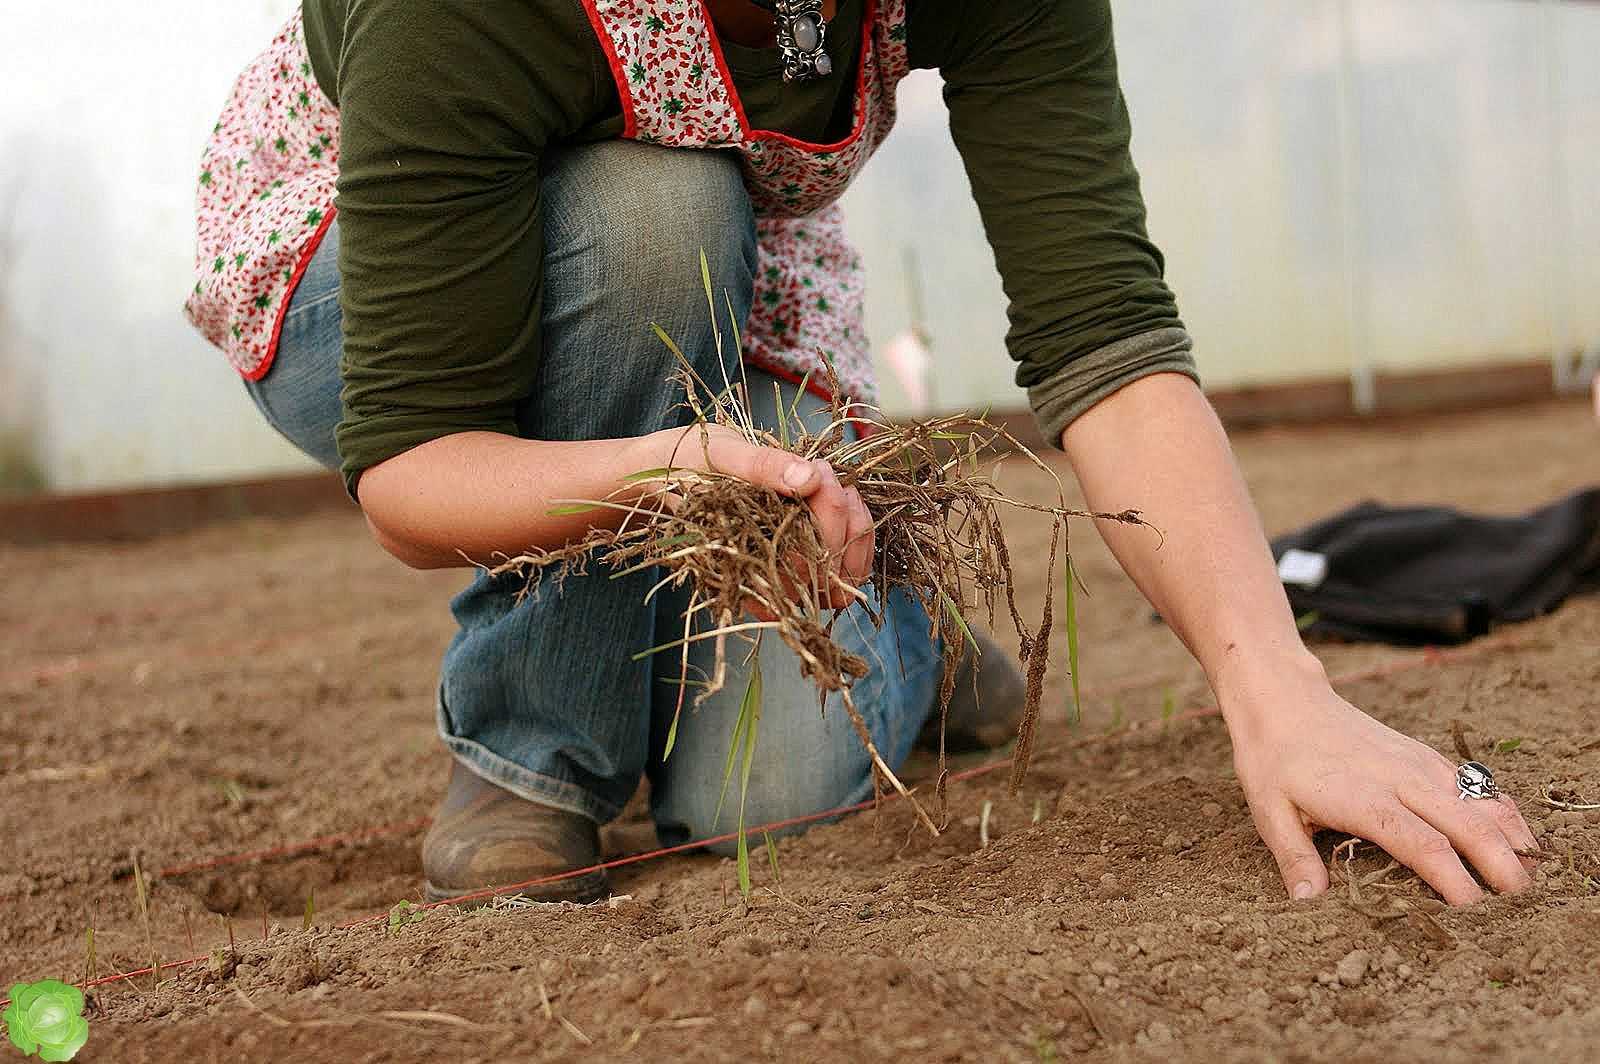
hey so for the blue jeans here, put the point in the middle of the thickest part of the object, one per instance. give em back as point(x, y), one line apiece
point(542, 696)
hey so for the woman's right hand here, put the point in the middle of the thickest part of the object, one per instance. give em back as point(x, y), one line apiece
point(842, 519)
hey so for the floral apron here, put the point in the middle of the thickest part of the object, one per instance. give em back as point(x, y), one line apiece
point(268, 174)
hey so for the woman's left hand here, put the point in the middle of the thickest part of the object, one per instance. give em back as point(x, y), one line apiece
point(1308, 759)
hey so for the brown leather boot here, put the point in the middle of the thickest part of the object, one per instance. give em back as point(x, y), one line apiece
point(989, 719)
point(483, 836)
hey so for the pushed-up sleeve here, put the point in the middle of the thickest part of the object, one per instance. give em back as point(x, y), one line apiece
point(445, 109)
point(1037, 113)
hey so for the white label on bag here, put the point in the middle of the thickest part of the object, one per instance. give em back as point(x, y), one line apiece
point(1302, 568)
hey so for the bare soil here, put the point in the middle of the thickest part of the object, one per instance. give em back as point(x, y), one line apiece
point(263, 683)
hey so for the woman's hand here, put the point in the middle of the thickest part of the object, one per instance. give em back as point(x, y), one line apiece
point(1307, 758)
point(842, 519)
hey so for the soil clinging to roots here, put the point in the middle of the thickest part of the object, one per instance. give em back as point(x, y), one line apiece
point(743, 549)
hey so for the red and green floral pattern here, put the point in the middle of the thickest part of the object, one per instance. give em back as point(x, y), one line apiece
point(265, 197)
point(676, 91)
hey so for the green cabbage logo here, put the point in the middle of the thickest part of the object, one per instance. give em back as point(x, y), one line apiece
point(45, 1017)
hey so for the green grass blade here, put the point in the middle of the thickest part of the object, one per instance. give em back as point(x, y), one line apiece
point(734, 743)
point(711, 303)
point(661, 334)
point(744, 780)
point(955, 615)
point(783, 422)
point(772, 856)
point(743, 860)
point(751, 710)
point(572, 508)
point(800, 393)
point(743, 740)
point(1306, 620)
point(1072, 641)
point(647, 474)
point(733, 321)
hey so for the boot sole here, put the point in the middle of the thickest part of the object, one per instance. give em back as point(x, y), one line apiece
point(582, 890)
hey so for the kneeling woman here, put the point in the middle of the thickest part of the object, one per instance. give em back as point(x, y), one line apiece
point(433, 238)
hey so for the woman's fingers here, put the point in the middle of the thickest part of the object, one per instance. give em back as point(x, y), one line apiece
point(843, 522)
point(1420, 847)
point(784, 473)
point(1479, 830)
point(858, 540)
point(830, 505)
point(1286, 835)
point(1517, 832)
point(834, 511)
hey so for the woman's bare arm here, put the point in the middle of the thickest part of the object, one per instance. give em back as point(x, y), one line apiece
point(1305, 756)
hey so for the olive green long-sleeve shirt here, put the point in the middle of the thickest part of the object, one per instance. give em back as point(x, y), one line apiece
point(441, 260)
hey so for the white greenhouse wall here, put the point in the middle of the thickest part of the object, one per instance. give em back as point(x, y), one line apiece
point(1337, 184)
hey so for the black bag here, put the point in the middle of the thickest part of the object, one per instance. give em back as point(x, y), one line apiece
point(1416, 575)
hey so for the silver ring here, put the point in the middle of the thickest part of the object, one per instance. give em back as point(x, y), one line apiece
point(1474, 780)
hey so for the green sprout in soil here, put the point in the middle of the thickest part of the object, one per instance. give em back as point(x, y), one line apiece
point(403, 913)
point(1072, 641)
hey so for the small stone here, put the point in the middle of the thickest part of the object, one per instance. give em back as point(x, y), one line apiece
point(754, 1007)
point(1389, 960)
point(1327, 978)
point(787, 986)
point(1404, 971)
point(1173, 843)
point(1289, 993)
point(1110, 886)
point(797, 1028)
point(1212, 810)
point(1102, 966)
point(1159, 1033)
point(1352, 967)
point(1501, 971)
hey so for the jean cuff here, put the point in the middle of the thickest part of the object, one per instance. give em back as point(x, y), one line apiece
point(531, 786)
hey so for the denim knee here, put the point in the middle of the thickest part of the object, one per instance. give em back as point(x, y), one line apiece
point(807, 759)
point(629, 221)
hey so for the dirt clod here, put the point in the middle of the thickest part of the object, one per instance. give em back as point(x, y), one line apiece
point(1352, 967)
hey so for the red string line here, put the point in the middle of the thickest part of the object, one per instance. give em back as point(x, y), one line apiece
point(320, 842)
point(1428, 656)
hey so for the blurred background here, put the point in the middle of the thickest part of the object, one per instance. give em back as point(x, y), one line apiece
point(1348, 192)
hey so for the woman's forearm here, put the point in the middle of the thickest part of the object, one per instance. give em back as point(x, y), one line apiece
point(1157, 446)
point(465, 498)
point(474, 494)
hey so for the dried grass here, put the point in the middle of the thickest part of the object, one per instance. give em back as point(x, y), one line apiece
point(734, 545)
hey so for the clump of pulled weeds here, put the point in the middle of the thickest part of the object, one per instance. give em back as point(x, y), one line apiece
point(754, 563)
